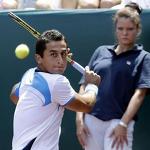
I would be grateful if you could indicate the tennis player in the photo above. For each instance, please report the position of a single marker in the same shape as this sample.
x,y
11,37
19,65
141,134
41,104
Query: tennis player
x,y
43,94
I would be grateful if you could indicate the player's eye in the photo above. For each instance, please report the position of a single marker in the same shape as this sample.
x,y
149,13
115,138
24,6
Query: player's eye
x,y
53,54
64,54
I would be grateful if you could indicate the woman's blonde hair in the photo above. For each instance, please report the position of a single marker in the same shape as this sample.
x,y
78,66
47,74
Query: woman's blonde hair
x,y
131,14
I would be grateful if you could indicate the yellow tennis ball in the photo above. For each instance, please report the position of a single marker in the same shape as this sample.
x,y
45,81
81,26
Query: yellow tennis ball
x,y
22,51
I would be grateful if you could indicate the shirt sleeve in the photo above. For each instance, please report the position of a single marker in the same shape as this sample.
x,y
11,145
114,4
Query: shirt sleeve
x,y
17,86
144,78
62,91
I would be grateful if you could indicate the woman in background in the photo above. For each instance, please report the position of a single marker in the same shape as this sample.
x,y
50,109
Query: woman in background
x,y
125,73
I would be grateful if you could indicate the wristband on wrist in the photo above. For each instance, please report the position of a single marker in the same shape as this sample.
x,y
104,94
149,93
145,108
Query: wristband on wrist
x,y
123,124
91,87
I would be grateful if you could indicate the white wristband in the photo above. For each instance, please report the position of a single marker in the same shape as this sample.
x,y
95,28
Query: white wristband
x,y
91,87
123,124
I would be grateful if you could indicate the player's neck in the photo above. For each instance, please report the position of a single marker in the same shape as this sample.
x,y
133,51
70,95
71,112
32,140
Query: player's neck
x,y
40,69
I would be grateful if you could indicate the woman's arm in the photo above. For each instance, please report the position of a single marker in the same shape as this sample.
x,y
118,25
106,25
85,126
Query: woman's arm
x,y
134,105
119,134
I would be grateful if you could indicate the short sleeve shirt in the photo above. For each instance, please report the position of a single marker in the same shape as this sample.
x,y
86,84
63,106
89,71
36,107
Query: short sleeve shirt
x,y
39,111
121,75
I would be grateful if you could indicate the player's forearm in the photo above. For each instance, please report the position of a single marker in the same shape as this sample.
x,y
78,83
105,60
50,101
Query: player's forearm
x,y
82,103
89,98
134,105
82,89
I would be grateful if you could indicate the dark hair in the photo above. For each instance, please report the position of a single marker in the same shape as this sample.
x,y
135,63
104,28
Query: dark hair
x,y
134,6
46,37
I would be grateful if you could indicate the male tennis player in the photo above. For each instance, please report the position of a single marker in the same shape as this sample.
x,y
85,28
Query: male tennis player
x,y
44,93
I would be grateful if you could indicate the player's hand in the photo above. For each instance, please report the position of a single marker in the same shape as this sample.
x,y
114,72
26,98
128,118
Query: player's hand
x,y
69,54
119,135
82,133
91,77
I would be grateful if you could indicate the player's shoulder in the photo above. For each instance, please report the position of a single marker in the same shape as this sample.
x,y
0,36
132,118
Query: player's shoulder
x,y
29,74
53,77
61,78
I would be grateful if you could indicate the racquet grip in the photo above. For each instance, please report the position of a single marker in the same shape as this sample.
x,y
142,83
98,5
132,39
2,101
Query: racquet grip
x,y
78,67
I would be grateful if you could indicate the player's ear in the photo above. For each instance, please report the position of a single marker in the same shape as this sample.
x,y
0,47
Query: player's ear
x,y
38,59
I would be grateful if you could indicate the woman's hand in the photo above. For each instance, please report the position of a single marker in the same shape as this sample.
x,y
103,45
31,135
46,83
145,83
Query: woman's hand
x,y
119,135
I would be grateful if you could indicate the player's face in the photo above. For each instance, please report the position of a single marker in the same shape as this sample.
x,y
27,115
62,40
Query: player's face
x,y
126,32
54,57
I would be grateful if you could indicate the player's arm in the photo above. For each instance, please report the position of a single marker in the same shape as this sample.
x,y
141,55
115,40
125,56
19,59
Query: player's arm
x,y
14,93
83,102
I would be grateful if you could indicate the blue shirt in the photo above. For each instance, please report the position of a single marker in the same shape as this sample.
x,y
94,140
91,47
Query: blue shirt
x,y
121,75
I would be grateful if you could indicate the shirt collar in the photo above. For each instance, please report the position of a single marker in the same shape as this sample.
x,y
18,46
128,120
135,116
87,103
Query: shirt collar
x,y
136,47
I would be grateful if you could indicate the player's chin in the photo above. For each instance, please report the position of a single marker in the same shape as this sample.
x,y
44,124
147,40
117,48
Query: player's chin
x,y
59,70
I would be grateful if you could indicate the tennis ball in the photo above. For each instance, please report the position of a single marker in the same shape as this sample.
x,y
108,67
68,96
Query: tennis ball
x,y
22,51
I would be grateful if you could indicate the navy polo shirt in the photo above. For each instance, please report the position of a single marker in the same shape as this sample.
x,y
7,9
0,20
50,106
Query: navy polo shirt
x,y
121,75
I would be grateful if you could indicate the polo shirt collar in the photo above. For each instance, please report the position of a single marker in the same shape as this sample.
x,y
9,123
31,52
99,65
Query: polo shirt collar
x,y
135,48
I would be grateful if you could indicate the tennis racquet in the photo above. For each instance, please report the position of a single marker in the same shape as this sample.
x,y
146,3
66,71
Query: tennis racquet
x,y
37,35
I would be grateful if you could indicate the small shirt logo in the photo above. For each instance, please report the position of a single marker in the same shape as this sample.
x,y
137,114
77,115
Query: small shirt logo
x,y
128,62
